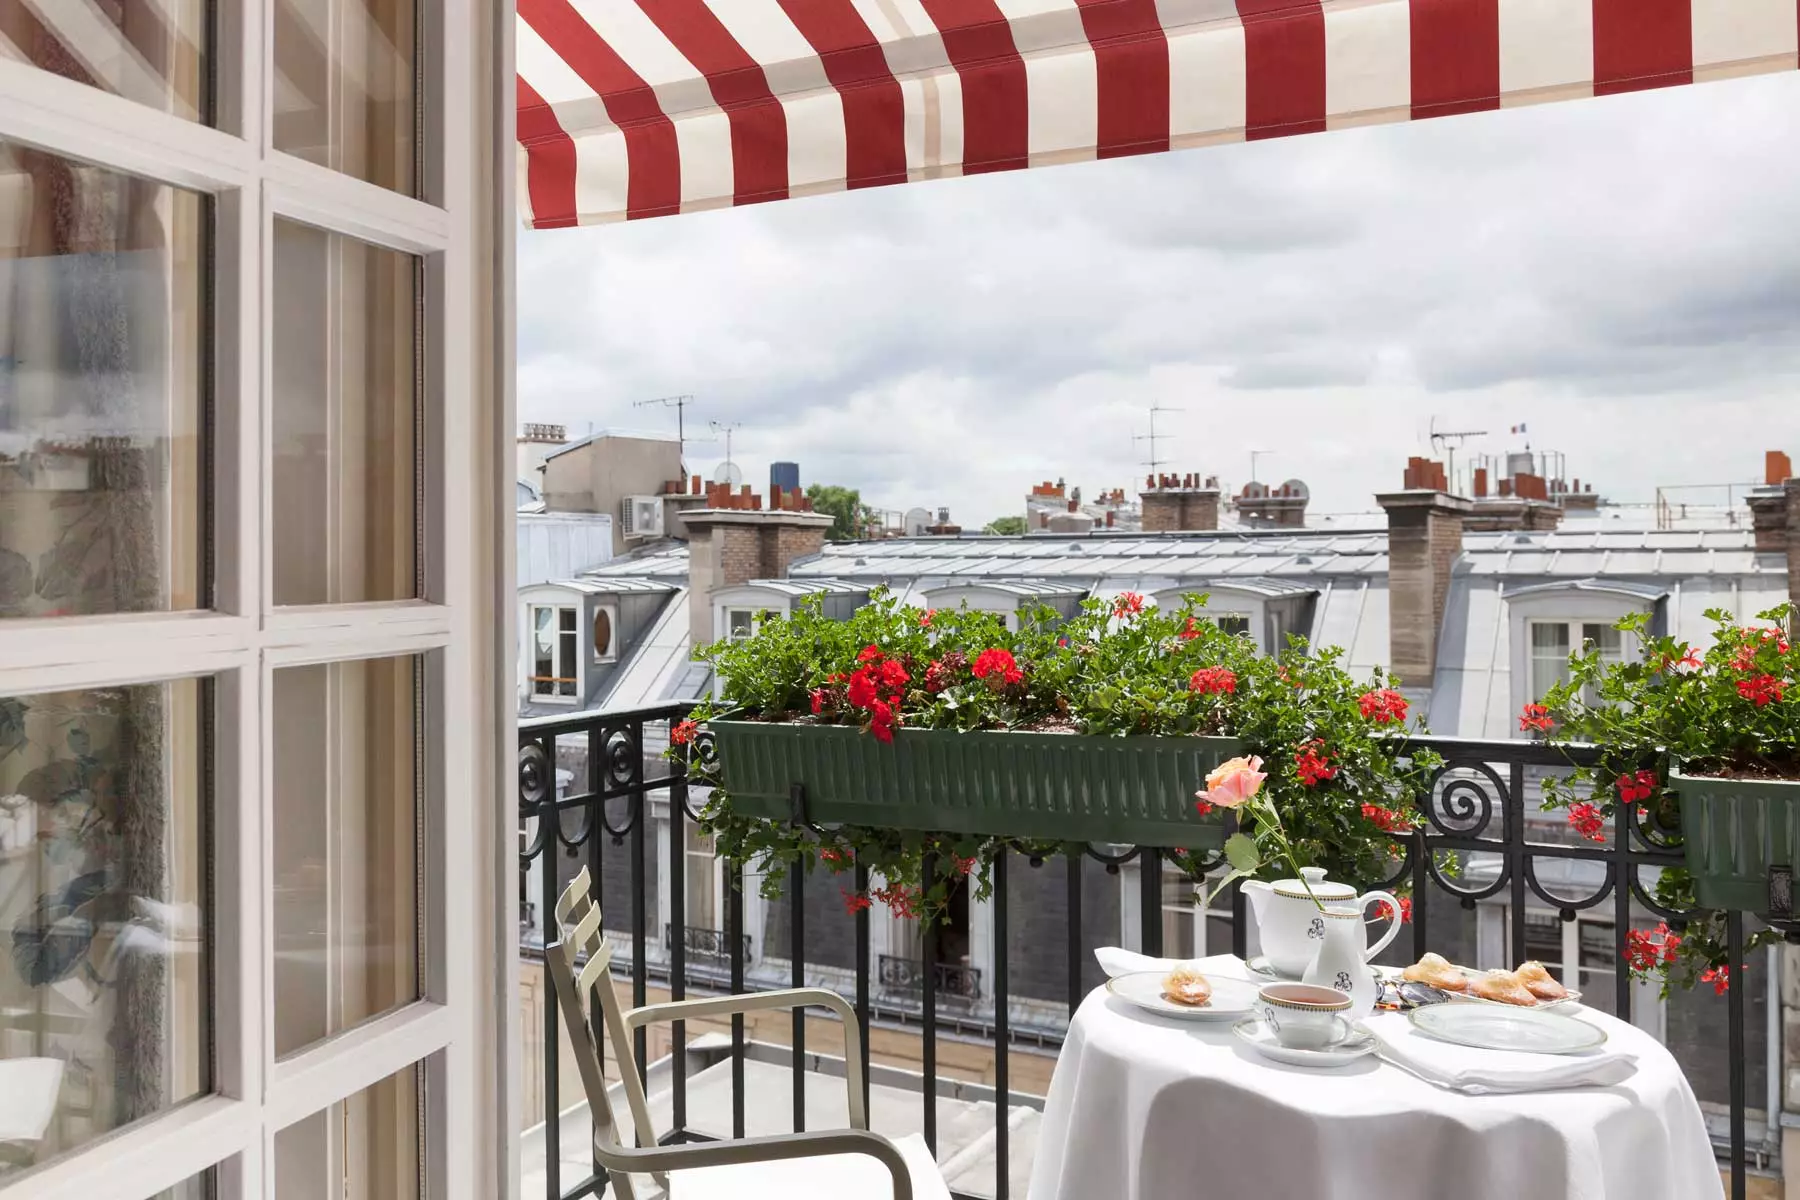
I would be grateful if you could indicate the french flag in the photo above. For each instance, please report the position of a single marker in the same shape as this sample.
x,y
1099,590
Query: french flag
x,y
1518,429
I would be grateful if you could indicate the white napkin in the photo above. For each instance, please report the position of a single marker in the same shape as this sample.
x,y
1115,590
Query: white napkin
x,y
1116,962
1487,1072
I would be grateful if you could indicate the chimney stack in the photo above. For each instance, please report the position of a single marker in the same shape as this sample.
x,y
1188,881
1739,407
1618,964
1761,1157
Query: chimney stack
x,y
1425,535
1180,504
734,540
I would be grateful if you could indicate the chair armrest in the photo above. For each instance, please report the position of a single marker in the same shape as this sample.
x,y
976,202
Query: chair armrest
x,y
666,1159
687,1010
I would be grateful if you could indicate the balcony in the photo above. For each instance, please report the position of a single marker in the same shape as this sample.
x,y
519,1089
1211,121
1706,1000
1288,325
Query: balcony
x,y
960,1040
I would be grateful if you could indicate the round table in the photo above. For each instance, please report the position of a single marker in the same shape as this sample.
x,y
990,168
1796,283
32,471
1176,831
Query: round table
x,y
1143,1107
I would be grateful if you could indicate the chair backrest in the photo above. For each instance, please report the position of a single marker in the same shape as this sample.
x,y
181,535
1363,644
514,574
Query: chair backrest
x,y
580,959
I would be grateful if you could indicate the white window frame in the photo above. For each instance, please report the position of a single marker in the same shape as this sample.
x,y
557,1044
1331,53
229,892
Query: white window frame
x,y
1573,606
458,1031
1225,602
577,666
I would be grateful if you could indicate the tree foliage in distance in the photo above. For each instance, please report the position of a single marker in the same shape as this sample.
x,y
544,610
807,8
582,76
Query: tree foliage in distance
x,y
849,515
1013,526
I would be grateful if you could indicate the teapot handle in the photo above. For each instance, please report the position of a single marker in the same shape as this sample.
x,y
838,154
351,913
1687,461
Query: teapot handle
x,y
1393,929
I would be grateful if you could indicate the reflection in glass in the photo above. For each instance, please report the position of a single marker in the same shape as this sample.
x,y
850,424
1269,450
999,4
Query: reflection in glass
x,y
346,87
201,1187
344,415
104,910
153,54
102,337
367,1147
346,846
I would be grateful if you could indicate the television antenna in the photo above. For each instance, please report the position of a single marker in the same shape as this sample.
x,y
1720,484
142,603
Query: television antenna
x,y
1154,438
1254,455
679,404
1448,440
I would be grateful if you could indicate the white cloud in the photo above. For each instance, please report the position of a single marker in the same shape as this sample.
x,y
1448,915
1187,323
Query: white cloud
x,y
1620,274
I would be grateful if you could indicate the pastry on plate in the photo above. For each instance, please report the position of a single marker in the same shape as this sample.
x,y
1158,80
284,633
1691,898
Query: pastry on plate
x,y
1503,986
1187,987
1539,982
1435,970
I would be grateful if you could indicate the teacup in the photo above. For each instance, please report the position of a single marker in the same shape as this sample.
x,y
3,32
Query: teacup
x,y
1304,1017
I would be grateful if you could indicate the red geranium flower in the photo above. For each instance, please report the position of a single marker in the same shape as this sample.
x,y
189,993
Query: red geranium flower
x,y
683,733
1638,787
1586,820
870,654
1719,977
1204,807
1211,681
1189,631
854,902
1314,768
998,663
1646,948
1386,911
1128,604
1762,691
818,701
1386,819
1383,707
1537,717
926,618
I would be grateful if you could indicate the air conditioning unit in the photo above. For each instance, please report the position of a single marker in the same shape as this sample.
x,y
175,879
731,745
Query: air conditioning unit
x,y
643,516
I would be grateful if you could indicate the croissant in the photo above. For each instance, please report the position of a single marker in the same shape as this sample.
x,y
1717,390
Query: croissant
x,y
1539,982
1436,971
1505,987
1187,986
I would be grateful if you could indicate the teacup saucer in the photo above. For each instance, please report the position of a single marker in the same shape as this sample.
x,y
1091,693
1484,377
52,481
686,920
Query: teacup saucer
x,y
1261,966
1253,1033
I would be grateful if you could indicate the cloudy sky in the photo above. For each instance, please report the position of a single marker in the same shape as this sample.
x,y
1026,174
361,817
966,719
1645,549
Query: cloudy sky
x,y
1620,275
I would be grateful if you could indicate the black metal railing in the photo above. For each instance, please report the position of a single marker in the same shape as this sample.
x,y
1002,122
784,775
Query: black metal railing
x,y
956,981
700,942
1480,845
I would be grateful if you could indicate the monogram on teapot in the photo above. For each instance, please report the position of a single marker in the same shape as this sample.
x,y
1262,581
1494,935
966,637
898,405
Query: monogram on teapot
x,y
1294,917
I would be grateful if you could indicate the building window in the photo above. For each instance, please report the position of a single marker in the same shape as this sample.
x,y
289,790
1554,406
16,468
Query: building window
x,y
555,639
1553,641
741,624
704,910
604,651
1581,954
1236,624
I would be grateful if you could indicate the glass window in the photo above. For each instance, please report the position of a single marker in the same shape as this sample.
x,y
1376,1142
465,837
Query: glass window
x,y
345,420
1236,624
156,54
702,876
102,346
554,649
1549,656
201,1187
741,623
346,87
104,999
367,1147
346,839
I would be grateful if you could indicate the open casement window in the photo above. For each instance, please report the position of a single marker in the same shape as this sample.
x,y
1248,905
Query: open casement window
x,y
741,624
1552,642
555,651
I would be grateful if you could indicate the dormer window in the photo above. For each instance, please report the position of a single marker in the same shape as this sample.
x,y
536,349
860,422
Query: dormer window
x,y
555,650
1552,642
741,624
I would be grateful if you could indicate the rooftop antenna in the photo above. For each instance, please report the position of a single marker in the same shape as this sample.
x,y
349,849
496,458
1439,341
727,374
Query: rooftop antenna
x,y
725,427
1154,438
1448,440
1254,455
679,404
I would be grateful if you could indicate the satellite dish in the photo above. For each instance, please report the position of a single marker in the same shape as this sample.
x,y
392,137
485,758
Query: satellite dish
x,y
1295,489
728,474
916,521
1255,490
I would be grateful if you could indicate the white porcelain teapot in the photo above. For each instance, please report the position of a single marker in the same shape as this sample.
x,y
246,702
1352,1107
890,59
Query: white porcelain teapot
x,y
1288,920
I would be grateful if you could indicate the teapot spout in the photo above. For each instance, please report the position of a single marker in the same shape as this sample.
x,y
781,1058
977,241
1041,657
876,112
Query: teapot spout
x,y
1259,893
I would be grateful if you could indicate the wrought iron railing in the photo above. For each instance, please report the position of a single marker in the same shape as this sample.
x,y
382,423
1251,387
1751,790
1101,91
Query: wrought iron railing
x,y
1478,844
957,981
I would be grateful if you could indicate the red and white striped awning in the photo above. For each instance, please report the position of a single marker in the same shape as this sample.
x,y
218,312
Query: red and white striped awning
x,y
642,108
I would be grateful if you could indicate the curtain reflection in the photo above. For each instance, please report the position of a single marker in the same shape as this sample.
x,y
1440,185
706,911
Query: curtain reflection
x,y
103,998
101,343
150,53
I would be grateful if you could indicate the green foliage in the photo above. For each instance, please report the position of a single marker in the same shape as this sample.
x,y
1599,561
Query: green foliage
x,y
1013,526
1341,777
1731,710
849,515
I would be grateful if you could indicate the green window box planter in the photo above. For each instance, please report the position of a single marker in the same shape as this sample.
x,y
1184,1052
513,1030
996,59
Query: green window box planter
x,y
1046,786
1735,830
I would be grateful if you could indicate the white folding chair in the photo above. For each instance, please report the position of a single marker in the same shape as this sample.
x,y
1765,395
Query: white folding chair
x,y
847,1162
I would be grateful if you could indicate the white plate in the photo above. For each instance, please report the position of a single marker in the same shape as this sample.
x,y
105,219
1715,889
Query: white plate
x,y
1253,1033
1503,1027
1470,973
1231,998
1260,965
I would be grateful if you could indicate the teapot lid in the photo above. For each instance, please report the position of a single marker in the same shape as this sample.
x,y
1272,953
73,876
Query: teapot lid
x,y
1314,879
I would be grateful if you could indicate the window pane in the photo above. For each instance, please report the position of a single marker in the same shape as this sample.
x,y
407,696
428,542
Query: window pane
x,y
701,875
345,417
346,87
346,846
1236,626
1606,639
102,340
103,865
154,54
543,652
570,639
1549,656
368,1147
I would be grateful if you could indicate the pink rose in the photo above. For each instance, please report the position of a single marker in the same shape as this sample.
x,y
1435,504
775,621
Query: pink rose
x,y
1233,782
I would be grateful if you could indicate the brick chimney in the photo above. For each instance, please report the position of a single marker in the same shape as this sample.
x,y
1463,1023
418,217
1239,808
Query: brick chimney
x,y
730,546
1425,535
1180,503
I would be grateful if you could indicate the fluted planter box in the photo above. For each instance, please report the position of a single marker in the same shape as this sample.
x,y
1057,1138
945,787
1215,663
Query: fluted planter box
x,y
1048,786
1735,830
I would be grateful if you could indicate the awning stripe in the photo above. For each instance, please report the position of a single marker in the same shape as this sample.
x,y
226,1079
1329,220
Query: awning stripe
x,y
1131,58
636,108
1284,53
996,100
1455,57
1642,44
874,109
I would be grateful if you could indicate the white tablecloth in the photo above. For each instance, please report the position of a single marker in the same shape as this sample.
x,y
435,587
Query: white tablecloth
x,y
1149,1108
